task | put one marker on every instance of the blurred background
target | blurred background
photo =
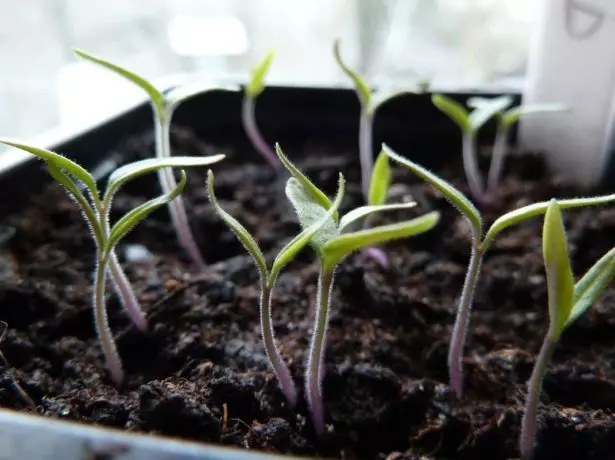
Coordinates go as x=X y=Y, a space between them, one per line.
x=457 y=44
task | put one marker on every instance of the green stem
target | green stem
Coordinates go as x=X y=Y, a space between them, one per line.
x=101 y=321
x=314 y=373
x=534 y=388
x=462 y=320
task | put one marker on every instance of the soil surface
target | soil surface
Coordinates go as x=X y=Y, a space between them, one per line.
x=201 y=372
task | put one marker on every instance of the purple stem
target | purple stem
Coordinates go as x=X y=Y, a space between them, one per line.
x=378 y=255
x=497 y=161
x=366 y=155
x=460 y=330
x=314 y=372
x=273 y=353
x=470 y=166
x=249 y=124
x=534 y=387
x=127 y=296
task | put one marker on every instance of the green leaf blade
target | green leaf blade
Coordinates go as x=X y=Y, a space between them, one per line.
x=363 y=211
x=380 y=180
x=454 y=110
x=181 y=93
x=590 y=287
x=458 y=199
x=290 y=251
x=155 y=96
x=239 y=230
x=338 y=248
x=487 y=109
x=131 y=219
x=560 y=280
x=61 y=162
x=363 y=90
x=527 y=212
x=256 y=84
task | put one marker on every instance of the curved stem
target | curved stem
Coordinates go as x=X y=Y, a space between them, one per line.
x=23 y=394
x=366 y=154
x=470 y=165
x=273 y=353
x=462 y=320
x=248 y=118
x=497 y=160
x=125 y=292
x=314 y=373
x=177 y=210
x=101 y=321
x=534 y=388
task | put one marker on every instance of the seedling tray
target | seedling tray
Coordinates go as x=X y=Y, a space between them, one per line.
x=385 y=389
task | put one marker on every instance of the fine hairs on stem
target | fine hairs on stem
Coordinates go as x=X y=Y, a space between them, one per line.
x=96 y=210
x=481 y=242
x=567 y=302
x=253 y=89
x=163 y=105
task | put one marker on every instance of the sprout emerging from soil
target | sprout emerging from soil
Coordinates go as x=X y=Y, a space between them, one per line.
x=332 y=242
x=96 y=211
x=481 y=242
x=505 y=121
x=370 y=102
x=567 y=302
x=163 y=106
x=253 y=89
x=269 y=277
x=8 y=369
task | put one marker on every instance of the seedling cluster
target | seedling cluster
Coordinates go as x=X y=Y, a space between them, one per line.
x=331 y=236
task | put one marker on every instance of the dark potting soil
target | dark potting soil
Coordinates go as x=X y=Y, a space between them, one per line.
x=385 y=389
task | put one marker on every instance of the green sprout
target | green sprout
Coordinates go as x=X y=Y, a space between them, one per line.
x=505 y=121
x=567 y=302
x=96 y=211
x=481 y=242
x=370 y=102
x=269 y=277
x=253 y=89
x=163 y=106
x=332 y=242
x=4 y=327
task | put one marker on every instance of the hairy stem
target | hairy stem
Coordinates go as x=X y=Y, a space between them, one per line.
x=366 y=154
x=462 y=320
x=497 y=160
x=534 y=388
x=273 y=353
x=179 y=218
x=101 y=321
x=15 y=384
x=248 y=118
x=125 y=292
x=314 y=372
x=470 y=165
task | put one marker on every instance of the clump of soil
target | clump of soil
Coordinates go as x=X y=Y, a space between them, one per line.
x=385 y=389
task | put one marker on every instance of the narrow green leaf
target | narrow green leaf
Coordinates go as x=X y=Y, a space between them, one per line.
x=362 y=88
x=537 y=209
x=338 y=248
x=513 y=115
x=135 y=169
x=363 y=211
x=289 y=251
x=380 y=180
x=64 y=179
x=155 y=96
x=4 y=327
x=309 y=212
x=560 y=281
x=181 y=93
x=240 y=231
x=138 y=214
x=61 y=162
x=487 y=110
x=256 y=85
x=458 y=199
x=588 y=289
x=316 y=194
x=454 y=110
